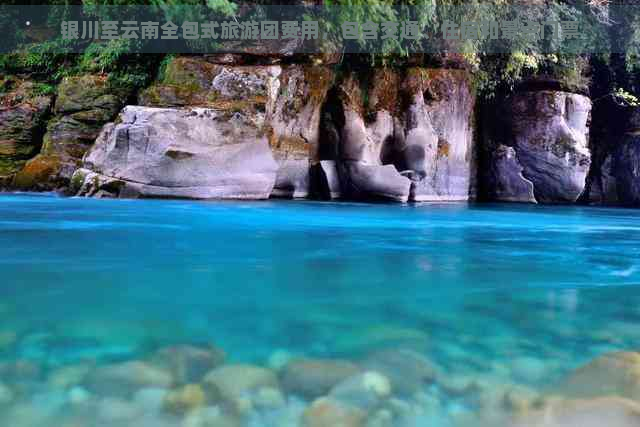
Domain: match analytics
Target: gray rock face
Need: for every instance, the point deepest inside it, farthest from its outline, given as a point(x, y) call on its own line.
point(409, 140)
point(289, 98)
point(506, 182)
point(187, 153)
point(326, 180)
point(549, 134)
point(626, 169)
point(442, 109)
point(293, 117)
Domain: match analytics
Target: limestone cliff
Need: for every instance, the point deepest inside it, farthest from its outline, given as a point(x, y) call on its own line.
point(241, 126)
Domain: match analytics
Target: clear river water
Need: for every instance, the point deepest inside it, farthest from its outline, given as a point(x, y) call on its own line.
point(491, 306)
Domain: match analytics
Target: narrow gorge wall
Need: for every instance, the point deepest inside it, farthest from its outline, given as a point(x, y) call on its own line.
point(255, 127)
point(214, 129)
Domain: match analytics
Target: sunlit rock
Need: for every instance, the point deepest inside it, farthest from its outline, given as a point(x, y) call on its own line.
point(190, 153)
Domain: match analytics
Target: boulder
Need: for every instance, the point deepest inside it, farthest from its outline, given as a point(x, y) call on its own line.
point(311, 378)
point(189, 153)
point(549, 133)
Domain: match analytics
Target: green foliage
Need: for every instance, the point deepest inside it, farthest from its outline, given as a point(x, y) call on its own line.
point(626, 99)
point(43, 89)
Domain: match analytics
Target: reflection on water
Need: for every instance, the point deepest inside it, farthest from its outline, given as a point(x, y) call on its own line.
point(186, 314)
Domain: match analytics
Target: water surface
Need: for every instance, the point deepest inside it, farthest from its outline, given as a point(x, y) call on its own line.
point(515, 295)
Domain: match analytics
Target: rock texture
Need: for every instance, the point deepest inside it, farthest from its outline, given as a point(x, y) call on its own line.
point(505, 180)
point(611, 374)
point(610, 411)
point(83, 105)
point(548, 131)
point(402, 135)
point(23, 115)
point(294, 122)
point(625, 169)
point(288, 98)
point(189, 153)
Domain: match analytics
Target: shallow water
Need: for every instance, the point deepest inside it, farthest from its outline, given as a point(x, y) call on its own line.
point(513, 295)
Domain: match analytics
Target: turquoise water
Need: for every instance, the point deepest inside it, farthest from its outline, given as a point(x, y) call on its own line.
point(491, 296)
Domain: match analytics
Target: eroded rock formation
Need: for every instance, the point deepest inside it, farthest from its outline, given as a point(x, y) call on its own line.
point(547, 132)
point(409, 137)
point(401, 135)
point(191, 153)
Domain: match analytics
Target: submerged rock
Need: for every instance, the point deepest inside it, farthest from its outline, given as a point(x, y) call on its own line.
point(187, 363)
point(150, 399)
point(125, 378)
point(185, 399)
point(68, 376)
point(611, 374)
point(6, 395)
point(268, 398)
point(191, 153)
point(234, 381)
point(313, 378)
point(609, 411)
point(366, 390)
point(211, 416)
point(115, 410)
point(408, 371)
point(325, 412)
